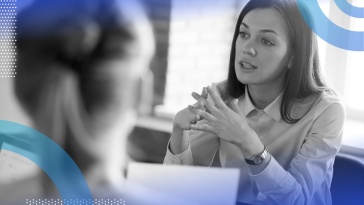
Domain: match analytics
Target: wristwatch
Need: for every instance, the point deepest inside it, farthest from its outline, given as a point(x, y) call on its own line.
point(257, 159)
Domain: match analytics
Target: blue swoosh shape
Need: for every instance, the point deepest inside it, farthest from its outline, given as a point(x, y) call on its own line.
point(49, 156)
point(328, 31)
point(349, 9)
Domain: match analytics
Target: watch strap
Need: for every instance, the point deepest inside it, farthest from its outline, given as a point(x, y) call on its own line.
point(259, 158)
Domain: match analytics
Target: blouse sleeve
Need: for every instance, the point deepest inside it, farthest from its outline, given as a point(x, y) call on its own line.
point(304, 182)
point(200, 152)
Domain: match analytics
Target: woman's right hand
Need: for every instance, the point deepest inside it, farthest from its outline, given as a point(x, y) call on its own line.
point(181, 124)
point(185, 117)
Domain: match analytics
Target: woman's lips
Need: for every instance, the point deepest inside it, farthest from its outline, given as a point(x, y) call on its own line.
point(246, 66)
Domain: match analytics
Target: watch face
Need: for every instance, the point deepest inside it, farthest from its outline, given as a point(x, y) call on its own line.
point(257, 160)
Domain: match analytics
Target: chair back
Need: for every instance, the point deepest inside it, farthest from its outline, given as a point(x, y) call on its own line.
point(347, 186)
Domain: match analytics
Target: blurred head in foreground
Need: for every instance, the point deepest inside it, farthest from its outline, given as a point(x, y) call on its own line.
point(80, 67)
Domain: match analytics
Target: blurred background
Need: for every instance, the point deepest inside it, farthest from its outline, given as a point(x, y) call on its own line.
point(193, 40)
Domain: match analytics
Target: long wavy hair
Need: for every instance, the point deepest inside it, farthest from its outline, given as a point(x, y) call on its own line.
point(304, 78)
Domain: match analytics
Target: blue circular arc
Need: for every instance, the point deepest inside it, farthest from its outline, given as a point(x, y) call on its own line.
point(49, 156)
point(327, 30)
point(349, 9)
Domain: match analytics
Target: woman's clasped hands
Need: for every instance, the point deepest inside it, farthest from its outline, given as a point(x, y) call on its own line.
point(222, 119)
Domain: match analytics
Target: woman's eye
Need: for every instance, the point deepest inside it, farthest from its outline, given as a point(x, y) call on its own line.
point(243, 34)
point(266, 42)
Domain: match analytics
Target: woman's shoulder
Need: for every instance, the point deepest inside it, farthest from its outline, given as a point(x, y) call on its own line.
point(332, 104)
point(326, 101)
point(329, 98)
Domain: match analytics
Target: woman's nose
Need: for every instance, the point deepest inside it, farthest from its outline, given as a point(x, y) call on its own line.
point(249, 49)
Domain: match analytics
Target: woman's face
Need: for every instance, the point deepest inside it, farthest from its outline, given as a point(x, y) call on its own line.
point(262, 48)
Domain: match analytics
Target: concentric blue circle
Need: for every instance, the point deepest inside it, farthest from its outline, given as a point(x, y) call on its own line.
point(349, 9)
point(327, 30)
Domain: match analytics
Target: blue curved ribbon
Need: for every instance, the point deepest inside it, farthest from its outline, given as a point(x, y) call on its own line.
point(49, 156)
point(327, 30)
point(349, 9)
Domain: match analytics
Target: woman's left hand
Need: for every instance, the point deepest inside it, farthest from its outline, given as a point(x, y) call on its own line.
point(227, 123)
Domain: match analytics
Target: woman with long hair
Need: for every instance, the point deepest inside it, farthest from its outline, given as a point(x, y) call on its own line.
point(274, 117)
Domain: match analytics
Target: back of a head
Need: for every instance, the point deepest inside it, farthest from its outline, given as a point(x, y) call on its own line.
point(79, 64)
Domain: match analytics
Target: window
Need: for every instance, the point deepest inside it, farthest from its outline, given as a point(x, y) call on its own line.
point(199, 49)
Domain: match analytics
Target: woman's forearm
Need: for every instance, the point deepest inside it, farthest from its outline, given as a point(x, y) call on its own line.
point(179, 141)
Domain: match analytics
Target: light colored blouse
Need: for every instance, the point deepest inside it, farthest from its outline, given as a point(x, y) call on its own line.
point(301, 167)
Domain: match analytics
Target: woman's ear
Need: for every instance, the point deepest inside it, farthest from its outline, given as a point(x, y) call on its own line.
point(290, 62)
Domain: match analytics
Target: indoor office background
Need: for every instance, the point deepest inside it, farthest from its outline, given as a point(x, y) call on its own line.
point(193, 45)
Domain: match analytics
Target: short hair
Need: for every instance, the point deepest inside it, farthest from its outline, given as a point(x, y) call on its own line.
point(80, 60)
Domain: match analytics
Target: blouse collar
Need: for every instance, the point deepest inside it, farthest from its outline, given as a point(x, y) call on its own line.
point(273, 109)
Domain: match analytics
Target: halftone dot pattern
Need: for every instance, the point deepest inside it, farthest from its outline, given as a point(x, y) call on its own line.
point(7, 38)
point(75, 202)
